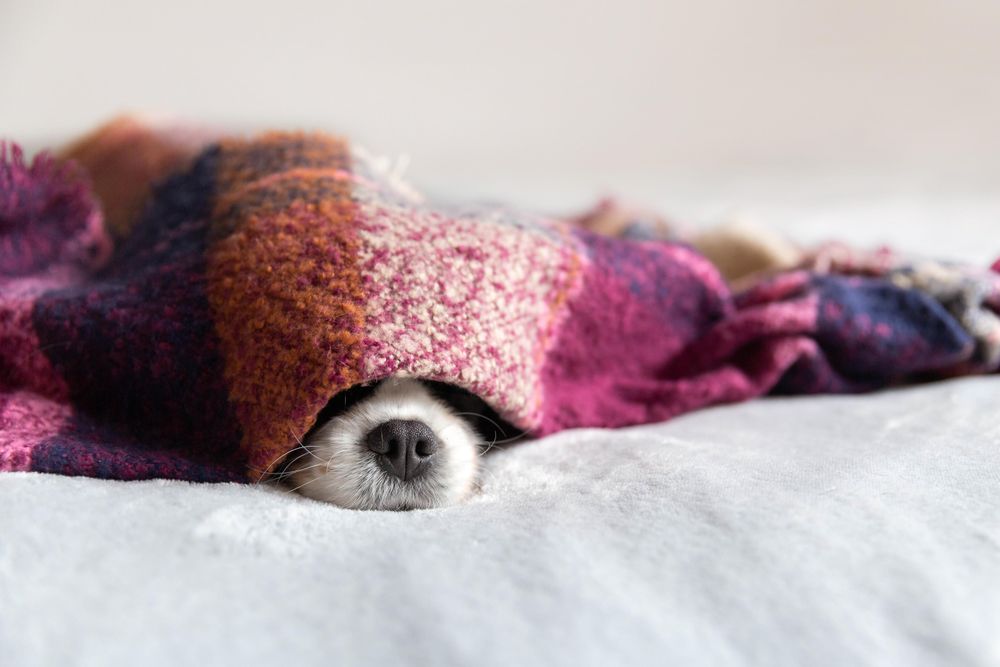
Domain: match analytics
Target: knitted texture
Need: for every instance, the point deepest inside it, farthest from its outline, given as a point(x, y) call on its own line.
point(126, 155)
point(269, 274)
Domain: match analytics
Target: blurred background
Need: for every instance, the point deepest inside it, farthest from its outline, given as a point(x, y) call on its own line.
point(703, 108)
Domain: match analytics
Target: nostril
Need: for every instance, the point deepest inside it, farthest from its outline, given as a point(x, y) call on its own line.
point(378, 442)
point(425, 448)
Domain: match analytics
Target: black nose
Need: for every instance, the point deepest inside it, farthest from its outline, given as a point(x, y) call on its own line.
point(405, 447)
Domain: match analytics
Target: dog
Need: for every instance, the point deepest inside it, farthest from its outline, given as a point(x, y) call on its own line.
point(398, 444)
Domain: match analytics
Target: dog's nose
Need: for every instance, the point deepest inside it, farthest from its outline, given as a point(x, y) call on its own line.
point(405, 447)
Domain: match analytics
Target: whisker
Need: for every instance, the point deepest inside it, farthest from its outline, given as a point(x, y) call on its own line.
point(304, 484)
point(490, 446)
point(283, 455)
point(300, 456)
point(498, 426)
point(481, 416)
point(289, 473)
point(495, 441)
point(511, 439)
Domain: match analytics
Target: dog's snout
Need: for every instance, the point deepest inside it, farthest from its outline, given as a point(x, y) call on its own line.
point(404, 446)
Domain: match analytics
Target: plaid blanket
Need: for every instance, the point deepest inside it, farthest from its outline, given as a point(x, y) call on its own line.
point(196, 329)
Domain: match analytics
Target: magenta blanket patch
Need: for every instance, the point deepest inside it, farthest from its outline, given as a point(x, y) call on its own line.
point(201, 339)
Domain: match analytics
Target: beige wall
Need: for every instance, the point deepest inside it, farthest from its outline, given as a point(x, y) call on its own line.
point(533, 86)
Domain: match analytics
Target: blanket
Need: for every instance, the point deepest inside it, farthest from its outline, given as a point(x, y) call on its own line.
point(198, 332)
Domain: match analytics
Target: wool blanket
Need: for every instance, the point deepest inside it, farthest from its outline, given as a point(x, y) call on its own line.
point(194, 324)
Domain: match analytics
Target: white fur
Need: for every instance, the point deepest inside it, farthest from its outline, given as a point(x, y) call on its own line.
point(337, 466)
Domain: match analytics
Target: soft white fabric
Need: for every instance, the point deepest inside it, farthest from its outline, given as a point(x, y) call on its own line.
point(819, 531)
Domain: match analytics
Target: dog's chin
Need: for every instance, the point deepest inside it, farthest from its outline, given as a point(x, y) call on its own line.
point(368, 488)
point(335, 466)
